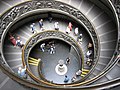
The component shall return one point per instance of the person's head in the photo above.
(90, 44)
(41, 20)
(68, 58)
(51, 46)
(76, 27)
(33, 24)
(66, 76)
(39, 59)
(80, 34)
(20, 68)
(74, 77)
(18, 37)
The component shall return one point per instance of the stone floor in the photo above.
(50, 61)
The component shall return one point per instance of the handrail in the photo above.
(40, 71)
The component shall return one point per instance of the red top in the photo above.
(13, 40)
(70, 26)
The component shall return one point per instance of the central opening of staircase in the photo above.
(51, 59)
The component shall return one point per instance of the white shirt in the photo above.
(68, 30)
(42, 45)
(76, 31)
(89, 53)
(19, 41)
(56, 25)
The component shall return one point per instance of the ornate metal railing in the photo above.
(116, 3)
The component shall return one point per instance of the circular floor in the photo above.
(50, 62)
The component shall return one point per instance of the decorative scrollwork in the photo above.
(116, 3)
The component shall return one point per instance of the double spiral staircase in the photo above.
(97, 20)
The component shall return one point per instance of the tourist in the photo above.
(12, 39)
(68, 30)
(33, 27)
(89, 53)
(70, 26)
(52, 49)
(66, 79)
(73, 79)
(42, 46)
(56, 25)
(76, 31)
(90, 46)
(78, 73)
(68, 60)
(41, 24)
(19, 42)
(118, 56)
(89, 62)
(22, 72)
(79, 39)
